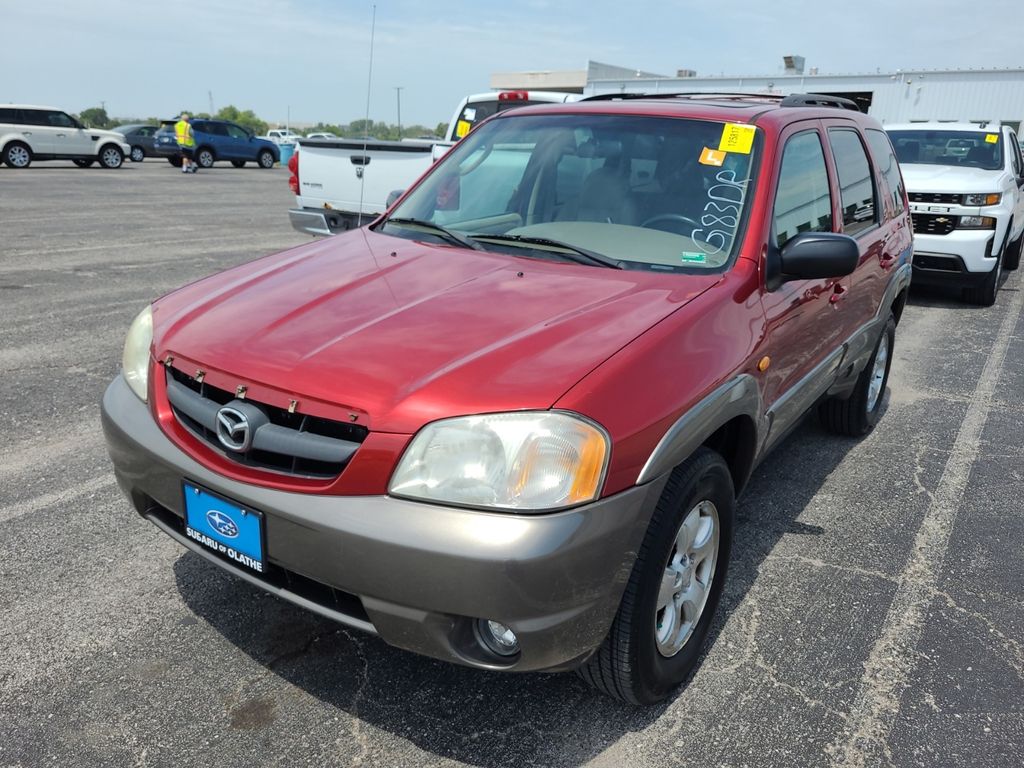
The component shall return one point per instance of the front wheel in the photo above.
(204, 158)
(1011, 259)
(17, 155)
(265, 159)
(111, 157)
(138, 154)
(985, 294)
(674, 588)
(859, 413)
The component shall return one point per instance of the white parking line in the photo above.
(37, 503)
(864, 740)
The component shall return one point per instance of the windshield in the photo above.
(974, 149)
(645, 192)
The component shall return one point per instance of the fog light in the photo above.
(496, 637)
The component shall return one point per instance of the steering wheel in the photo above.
(674, 218)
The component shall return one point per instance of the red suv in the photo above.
(506, 424)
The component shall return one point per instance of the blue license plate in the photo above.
(225, 527)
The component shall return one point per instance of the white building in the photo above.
(902, 96)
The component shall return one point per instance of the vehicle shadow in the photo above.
(951, 297)
(477, 717)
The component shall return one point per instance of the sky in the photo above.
(309, 60)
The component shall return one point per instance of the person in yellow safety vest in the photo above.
(186, 143)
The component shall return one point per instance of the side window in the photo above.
(237, 133)
(59, 120)
(1014, 153)
(803, 202)
(9, 115)
(856, 182)
(881, 148)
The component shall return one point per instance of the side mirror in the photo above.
(818, 255)
(393, 196)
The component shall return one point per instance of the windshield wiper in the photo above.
(447, 234)
(572, 252)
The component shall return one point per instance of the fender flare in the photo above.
(740, 396)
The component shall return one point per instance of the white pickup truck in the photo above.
(344, 183)
(965, 182)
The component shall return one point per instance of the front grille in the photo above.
(934, 197)
(934, 224)
(290, 443)
(282, 578)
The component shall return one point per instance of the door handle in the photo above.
(887, 261)
(838, 294)
(26, 133)
(62, 135)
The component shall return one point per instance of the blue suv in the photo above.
(218, 140)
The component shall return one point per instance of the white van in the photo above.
(30, 133)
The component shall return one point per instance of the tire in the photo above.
(1011, 259)
(83, 162)
(138, 154)
(238, 163)
(17, 155)
(646, 653)
(858, 414)
(265, 158)
(985, 294)
(175, 161)
(205, 158)
(111, 157)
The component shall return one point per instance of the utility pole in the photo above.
(398, 93)
(210, 94)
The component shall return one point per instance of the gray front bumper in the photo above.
(422, 573)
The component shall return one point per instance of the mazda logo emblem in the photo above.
(233, 429)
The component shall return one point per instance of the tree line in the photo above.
(97, 117)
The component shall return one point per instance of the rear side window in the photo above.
(9, 115)
(882, 150)
(856, 182)
(803, 202)
(34, 117)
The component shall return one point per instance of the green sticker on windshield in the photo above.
(694, 257)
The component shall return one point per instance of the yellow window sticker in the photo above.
(461, 129)
(992, 138)
(711, 157)
(737, 138)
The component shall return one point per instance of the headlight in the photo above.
(135, 361)
(517, 461)
(977, 222)
(984, 199)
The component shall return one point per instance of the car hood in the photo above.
(949, 179)
(407, 332)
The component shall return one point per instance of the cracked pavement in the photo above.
(873, 614)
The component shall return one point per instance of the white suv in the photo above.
(30, 133)
(966, 187)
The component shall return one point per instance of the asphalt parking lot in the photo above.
(873, 614)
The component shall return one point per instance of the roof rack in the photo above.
(818, 100)
(682, 95)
